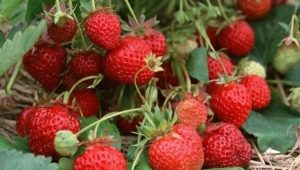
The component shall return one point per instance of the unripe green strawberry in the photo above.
(287, 56)
(183, 49)
(294, 99)
(247, 67)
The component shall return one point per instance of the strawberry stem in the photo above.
(136, 159)
(167, 99)
(107, 117)
(78, 25)
(187, 78)
(57, 6)
(132, 13)
(136, 86)
(93, 5)
(222, 11)
(294, 19)
(13, 77)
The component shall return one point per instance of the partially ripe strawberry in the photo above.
(85, 64)
(166, 77)
(225, 146)
(123, 62)
(237, 38)
(44, 123)
(259, 90)
(63, 31)
(87, 101)
(128, 125)
(256, 9)
(181, 149)
(156, 41)
(231, 103)
(103, 28)
(215, 67)
(247, 67)
(191, 112)
(23, 121)
(45, 63)
(100, 156)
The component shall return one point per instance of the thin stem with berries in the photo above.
(136, 85)
(13, 77)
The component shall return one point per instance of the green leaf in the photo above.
(274, 126)
(5, 144)
(16, 160)
(8, 7)
(65, 164)
(105, 129)
(197, 64)
(21, 143)
(293, 75)
(35, 7)
(2, 39)
(13, 50)
(233, 168)
(269, 33)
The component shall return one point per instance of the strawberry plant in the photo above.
(149, 85)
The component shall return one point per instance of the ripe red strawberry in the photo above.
(128, 125)
(191, 112)
(254, 10)
(123, 62)
(100, 156)
(166, 77)
(23, 121)
(44, 123)
(237, 38)
(231, 103)
(46, 63)
(87, 101)
(276, 3)
(85, 64)
(179, 150)
(63, 31)
(212, 87)
(212, 35)
(103, 28)
(215, 68)
(156, 41)
(258, 89)
(225, 146)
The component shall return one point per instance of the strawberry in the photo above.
(237, 38)
(247, 67)
(87, 101)
(103, 28)
(156, 41)
(276, 3)
(231, 103)
(191, 112)
(100, 156)
(212, 35)
(63, 31)
(255, 10)
(23, 121)
(123, 62)
(225, 146)
(294, 99)
(85, 64)
(212, 87)
(179, 150)
(45, 63)
(166, 77)
(259, 90)
(128, 125)
(45, 121)
(215, 68)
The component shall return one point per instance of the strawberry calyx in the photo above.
(154, 63)
(141, 28)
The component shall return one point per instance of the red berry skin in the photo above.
(191, 112)
(156, 41)
(237, 38)
(215, 68)
(128, 125)
(23, 121)
(231, 103)
(103, 28)
(225, 146)
(64, 31)
(122, 63)
(44, 123)
(181, 149)
(166, 77)
(212, 35)
(255, 10)
(259, 90)
(87, 101)
(100, 156)
(85, 64)
(46, 63)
